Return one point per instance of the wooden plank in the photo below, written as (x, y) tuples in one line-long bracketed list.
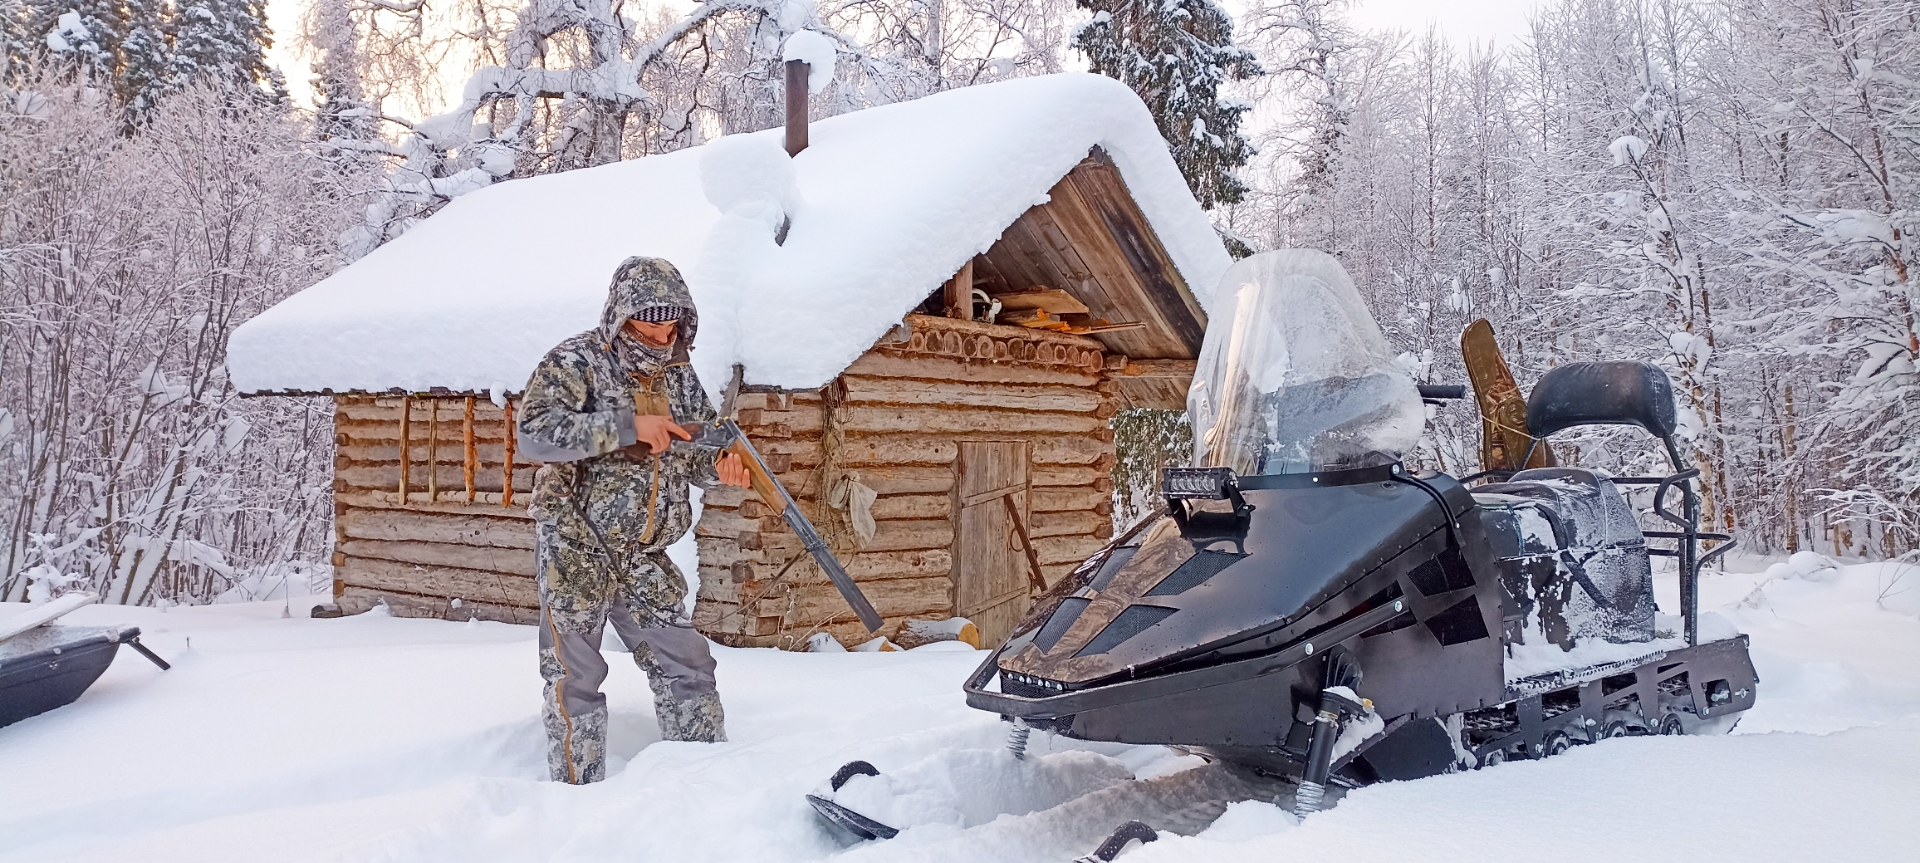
[(1051, 300), (472, 456), (467, 585), (958, 295), (407, 525), (355, 600), (406, 444)]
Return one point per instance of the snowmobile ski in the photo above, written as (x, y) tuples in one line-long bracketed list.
[(1503, 410), (853, 823), (1126, 834)]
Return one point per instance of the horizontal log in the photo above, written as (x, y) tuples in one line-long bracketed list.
[(1066, 549), (1071, 524), (885, 364), (1075, 499), (1062, 475), (447, 582), (899, 597), (863, 390), (889, 506), (1180, 370), (355, 599), (941, 324), (505, 561), (890, 479), (802, 422), (451, 477), (906, 449), (901, 535), (485, 503), (419, 430), (863, 566), (927, 420), (399, 525)]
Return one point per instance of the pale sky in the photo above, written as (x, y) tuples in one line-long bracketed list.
[(1461, 21)]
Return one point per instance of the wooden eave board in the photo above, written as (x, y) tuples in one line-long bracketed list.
[(1092, 240)]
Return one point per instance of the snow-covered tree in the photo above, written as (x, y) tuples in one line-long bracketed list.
[(146, 55), (1178, 55), (225, 41)]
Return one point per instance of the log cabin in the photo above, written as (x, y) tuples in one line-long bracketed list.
[(924, 320)]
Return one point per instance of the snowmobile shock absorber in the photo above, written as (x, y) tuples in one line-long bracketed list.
[(1313, 780), (1342, 673), (1017, 738)]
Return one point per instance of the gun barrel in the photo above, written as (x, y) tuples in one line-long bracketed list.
[(775, 494)]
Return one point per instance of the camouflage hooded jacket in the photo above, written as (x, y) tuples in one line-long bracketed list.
[(577, 417)]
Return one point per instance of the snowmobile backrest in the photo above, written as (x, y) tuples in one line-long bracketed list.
[(1610, 393)]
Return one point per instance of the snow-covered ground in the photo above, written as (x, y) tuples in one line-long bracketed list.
[(380, 739)]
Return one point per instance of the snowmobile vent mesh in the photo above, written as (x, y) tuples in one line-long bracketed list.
[(1440, 574), (1196, 570), (1460, 624), (1056, 625), (1131, 622)]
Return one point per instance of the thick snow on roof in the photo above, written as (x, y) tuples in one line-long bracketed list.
[(884, 205)]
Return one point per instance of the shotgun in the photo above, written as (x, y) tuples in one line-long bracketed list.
[(726, 434)]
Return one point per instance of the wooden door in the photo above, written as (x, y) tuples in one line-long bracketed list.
[(989, 564)]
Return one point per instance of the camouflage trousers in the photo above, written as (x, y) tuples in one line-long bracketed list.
[(677, 660)]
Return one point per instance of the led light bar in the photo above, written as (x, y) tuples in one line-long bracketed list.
[(1198, 483)]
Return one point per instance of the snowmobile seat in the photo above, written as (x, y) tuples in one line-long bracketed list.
[(1609, 393), (1572, 555)]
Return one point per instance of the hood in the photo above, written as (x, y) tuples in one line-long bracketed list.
[(640, 283)]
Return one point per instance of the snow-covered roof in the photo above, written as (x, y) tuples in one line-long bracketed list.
[(884, 205)]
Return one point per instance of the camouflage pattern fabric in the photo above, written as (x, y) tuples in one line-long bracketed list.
[(605, 509)]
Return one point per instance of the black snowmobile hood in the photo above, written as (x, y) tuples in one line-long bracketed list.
[(1183, 588)]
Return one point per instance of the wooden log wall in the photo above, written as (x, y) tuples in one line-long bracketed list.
[(439, 533), (895, 419)]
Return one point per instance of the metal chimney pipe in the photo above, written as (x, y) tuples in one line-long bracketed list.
[(797, 73)]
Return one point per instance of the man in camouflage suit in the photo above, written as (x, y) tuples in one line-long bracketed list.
[(602, 412)]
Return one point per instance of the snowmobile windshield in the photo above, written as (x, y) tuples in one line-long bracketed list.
[(1294, 375)]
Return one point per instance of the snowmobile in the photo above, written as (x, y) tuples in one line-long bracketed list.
[(1307, 608)]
